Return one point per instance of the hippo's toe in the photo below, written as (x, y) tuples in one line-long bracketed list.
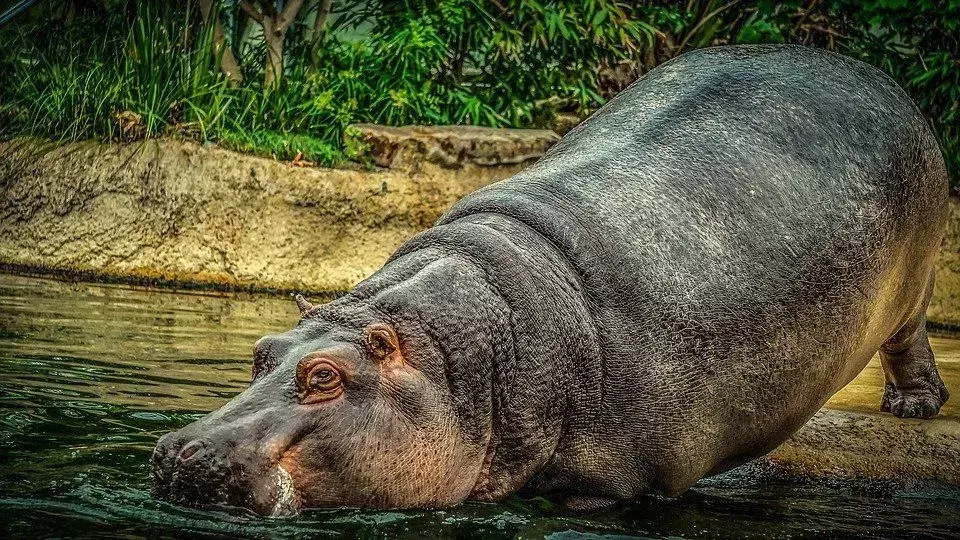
[(920, 401)]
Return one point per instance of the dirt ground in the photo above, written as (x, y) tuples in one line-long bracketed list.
[(850, 437)]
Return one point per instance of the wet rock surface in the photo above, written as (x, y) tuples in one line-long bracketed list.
[(408, 147), (869, 445)]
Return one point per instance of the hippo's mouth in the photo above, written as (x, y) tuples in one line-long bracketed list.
[(285, 499)]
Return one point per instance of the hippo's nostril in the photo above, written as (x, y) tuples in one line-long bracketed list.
[(189, 450)]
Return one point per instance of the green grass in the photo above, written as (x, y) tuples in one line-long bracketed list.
[(158, 77), (281, 146)]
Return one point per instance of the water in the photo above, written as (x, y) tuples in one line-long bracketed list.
[(92, 375)]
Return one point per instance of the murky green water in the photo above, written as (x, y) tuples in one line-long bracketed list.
[(92, 375)]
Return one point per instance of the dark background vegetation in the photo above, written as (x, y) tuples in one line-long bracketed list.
[(288, 76)]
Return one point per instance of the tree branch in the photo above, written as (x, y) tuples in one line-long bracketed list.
[(289, 13), (269, 8), (251, 11), (323, 11), (221, 50)]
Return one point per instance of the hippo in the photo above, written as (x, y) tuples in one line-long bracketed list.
[(671, 291)]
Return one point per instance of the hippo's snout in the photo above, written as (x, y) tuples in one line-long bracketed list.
[(164, 462), (173, 454), (189, 471), (202, 472)]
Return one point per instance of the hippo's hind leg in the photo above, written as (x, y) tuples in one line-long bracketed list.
[(914, 387)]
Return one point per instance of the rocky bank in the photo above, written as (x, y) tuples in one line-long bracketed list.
[(170, 211)]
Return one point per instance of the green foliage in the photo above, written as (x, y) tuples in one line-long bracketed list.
[(134, 68), (54, 85), (157, 76), (490, 63), (283, 146), (130, 79), (918, 44)]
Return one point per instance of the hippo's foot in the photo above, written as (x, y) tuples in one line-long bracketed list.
[(914, 388), (922, 401)]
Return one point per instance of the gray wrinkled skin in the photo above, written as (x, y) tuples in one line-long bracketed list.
[(674, 289)]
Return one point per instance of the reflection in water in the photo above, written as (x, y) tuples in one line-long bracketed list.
[(94, 374)]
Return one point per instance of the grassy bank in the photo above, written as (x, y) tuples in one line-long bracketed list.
[(129, 69)]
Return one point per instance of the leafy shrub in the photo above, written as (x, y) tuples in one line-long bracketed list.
[(491, 63), (141, 68)]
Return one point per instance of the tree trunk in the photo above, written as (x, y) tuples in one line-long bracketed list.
[(275, 24), (321, 11), (70, 13), (221, 49), (273, 37)]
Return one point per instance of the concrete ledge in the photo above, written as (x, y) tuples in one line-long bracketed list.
[(172, 211), (853, 444), (168, 211), (945, 305)]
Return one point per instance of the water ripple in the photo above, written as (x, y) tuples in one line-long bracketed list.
[(95, 374)]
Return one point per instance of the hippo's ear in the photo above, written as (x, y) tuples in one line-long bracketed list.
[(383, 343), (303, 305)]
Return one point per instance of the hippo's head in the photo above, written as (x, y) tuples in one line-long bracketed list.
[(348, 409)]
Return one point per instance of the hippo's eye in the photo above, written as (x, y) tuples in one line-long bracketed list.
[(322, 378), (318, 381)]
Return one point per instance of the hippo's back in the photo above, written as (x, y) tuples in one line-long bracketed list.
[(749, 225), (734, 153)]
